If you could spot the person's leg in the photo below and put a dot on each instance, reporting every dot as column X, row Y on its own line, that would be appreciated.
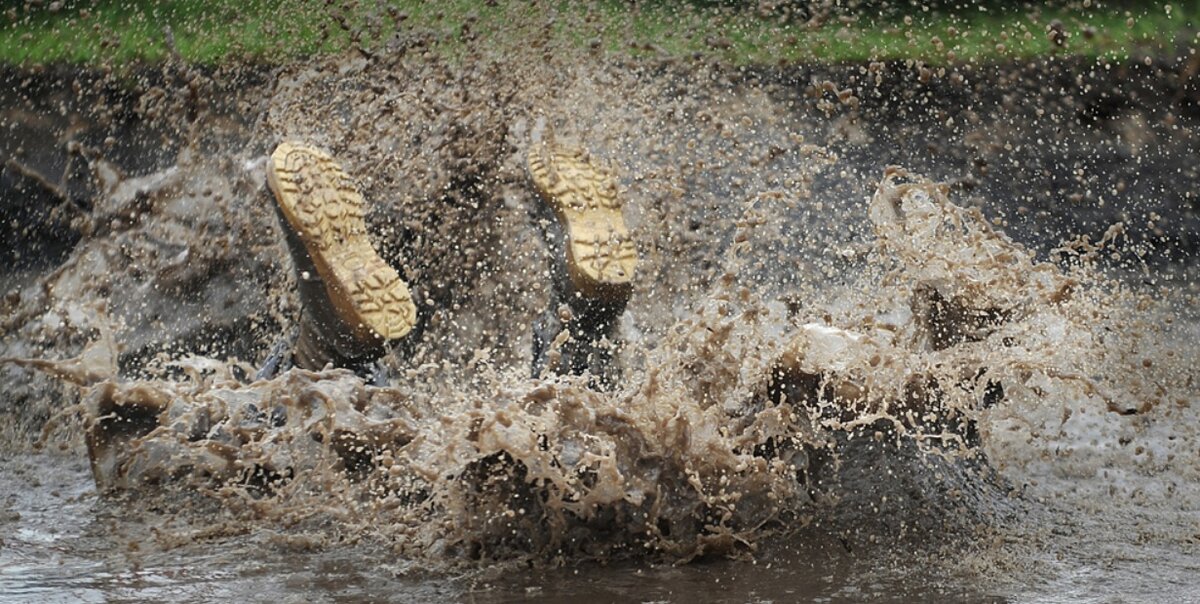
column 353, row 302
column 593, row 267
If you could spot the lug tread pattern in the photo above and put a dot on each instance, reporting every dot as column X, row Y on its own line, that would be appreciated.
column 322, row 204
column 601, row 253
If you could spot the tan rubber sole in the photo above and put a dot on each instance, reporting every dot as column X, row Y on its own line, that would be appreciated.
column 601, row 256
column 324, row 207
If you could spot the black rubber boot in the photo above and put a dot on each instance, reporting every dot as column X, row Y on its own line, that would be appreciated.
column 353, row 303
column 592, row 267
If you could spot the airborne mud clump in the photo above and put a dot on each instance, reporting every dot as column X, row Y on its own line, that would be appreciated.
column 818, row 342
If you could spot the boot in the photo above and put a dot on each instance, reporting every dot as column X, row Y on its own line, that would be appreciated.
column 594, row 264
column 353, row 303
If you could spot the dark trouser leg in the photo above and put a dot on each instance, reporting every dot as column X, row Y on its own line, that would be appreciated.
column 574, row 339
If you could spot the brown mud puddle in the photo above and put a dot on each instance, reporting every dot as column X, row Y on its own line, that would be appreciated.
column 64, row 544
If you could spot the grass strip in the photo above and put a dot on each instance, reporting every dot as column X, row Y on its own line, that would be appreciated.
column 117, row 33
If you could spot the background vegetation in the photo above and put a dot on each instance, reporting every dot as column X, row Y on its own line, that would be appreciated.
column 116, row 32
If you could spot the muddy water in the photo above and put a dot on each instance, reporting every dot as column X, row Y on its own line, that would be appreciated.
column 769, row 237
column 67, row 546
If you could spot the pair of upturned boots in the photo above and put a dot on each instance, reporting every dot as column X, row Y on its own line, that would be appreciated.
column 355, row 305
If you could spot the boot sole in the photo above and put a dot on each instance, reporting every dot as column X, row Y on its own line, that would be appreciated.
column 601, row 256
column 323, row 206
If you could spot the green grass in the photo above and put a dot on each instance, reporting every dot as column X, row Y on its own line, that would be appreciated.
column 134, row 31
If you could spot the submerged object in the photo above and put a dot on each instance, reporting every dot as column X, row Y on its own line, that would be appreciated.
column 968, row 278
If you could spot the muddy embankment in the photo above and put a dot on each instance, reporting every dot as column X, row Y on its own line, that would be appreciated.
column 139, row 200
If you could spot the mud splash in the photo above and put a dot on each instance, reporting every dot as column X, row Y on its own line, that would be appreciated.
column 799, row 365
column 717, row 444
